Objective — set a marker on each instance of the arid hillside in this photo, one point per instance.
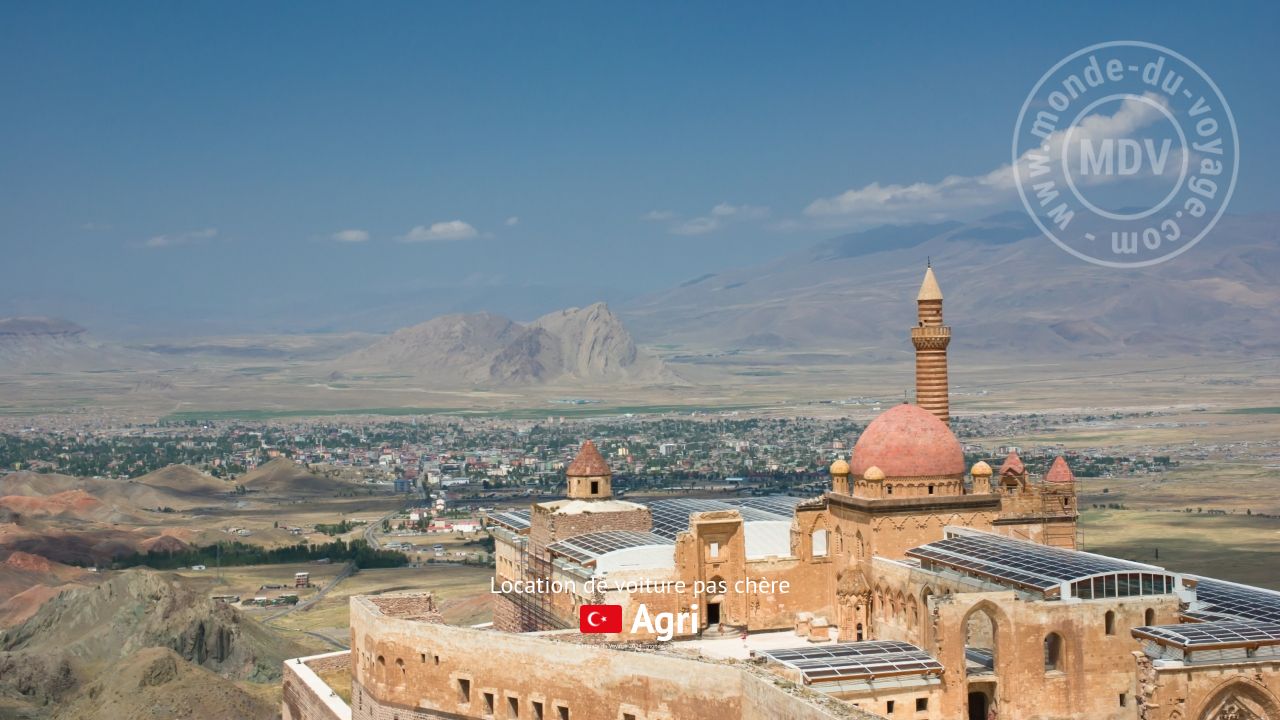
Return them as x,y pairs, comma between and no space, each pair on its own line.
138,636
587,345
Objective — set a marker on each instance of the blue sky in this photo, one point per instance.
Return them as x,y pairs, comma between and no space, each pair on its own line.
193,164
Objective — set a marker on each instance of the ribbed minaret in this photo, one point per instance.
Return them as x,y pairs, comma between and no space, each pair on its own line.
931,338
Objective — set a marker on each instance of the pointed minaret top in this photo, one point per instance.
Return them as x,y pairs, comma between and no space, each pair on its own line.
588,463
929,289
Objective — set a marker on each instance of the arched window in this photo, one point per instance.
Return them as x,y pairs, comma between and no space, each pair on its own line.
980,637
862,547
1149,618
1052,652
1110,621
819,543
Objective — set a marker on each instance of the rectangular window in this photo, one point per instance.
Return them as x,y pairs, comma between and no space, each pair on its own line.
562,713
715,549
888,707
488,703
595,487
513,707
922,704
537,710
464,690
1123,700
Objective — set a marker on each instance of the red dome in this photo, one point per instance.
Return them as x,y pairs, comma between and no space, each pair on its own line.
908,441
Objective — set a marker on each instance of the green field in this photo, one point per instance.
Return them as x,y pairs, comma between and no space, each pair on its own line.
1235,546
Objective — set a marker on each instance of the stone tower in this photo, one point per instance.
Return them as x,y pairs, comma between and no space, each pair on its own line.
840,477
589,475
931,338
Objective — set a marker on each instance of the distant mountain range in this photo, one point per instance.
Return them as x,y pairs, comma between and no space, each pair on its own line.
581,345
1007,290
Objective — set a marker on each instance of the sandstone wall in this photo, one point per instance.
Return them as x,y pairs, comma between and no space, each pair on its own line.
410,669
306,696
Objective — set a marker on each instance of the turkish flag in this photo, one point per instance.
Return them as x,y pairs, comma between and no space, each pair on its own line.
600,619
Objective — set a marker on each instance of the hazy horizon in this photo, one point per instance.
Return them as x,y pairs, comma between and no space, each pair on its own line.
200,169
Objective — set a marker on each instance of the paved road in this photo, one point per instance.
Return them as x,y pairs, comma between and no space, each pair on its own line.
345,573
373,527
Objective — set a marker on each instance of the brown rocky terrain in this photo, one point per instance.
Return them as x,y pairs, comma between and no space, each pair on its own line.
284,478
158,684
168,487
138,635
27,581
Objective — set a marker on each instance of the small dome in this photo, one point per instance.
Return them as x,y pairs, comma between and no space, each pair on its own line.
839,467
873,473
1060,472
908,441
980,469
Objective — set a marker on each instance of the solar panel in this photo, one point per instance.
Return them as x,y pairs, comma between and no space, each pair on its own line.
1230,600
1027,564
1224,632
671,517
855,649
783,505
876,658
586,548
514,519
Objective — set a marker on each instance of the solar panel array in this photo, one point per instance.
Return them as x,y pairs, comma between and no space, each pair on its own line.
875,658
784,505
1029,565
1229,600
1223,632
586,548
515,519
671,517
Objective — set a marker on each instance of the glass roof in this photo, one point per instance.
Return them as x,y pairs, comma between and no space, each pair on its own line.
1208,634
515,519
1222,599
877,658
1026,564
671,517
586,548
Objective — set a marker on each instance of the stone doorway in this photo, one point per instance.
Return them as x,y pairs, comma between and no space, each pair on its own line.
981,701
977,706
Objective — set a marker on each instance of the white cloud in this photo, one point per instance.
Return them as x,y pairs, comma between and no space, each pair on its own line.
512,221
351,236
185,238
440,232
876,204
719,216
